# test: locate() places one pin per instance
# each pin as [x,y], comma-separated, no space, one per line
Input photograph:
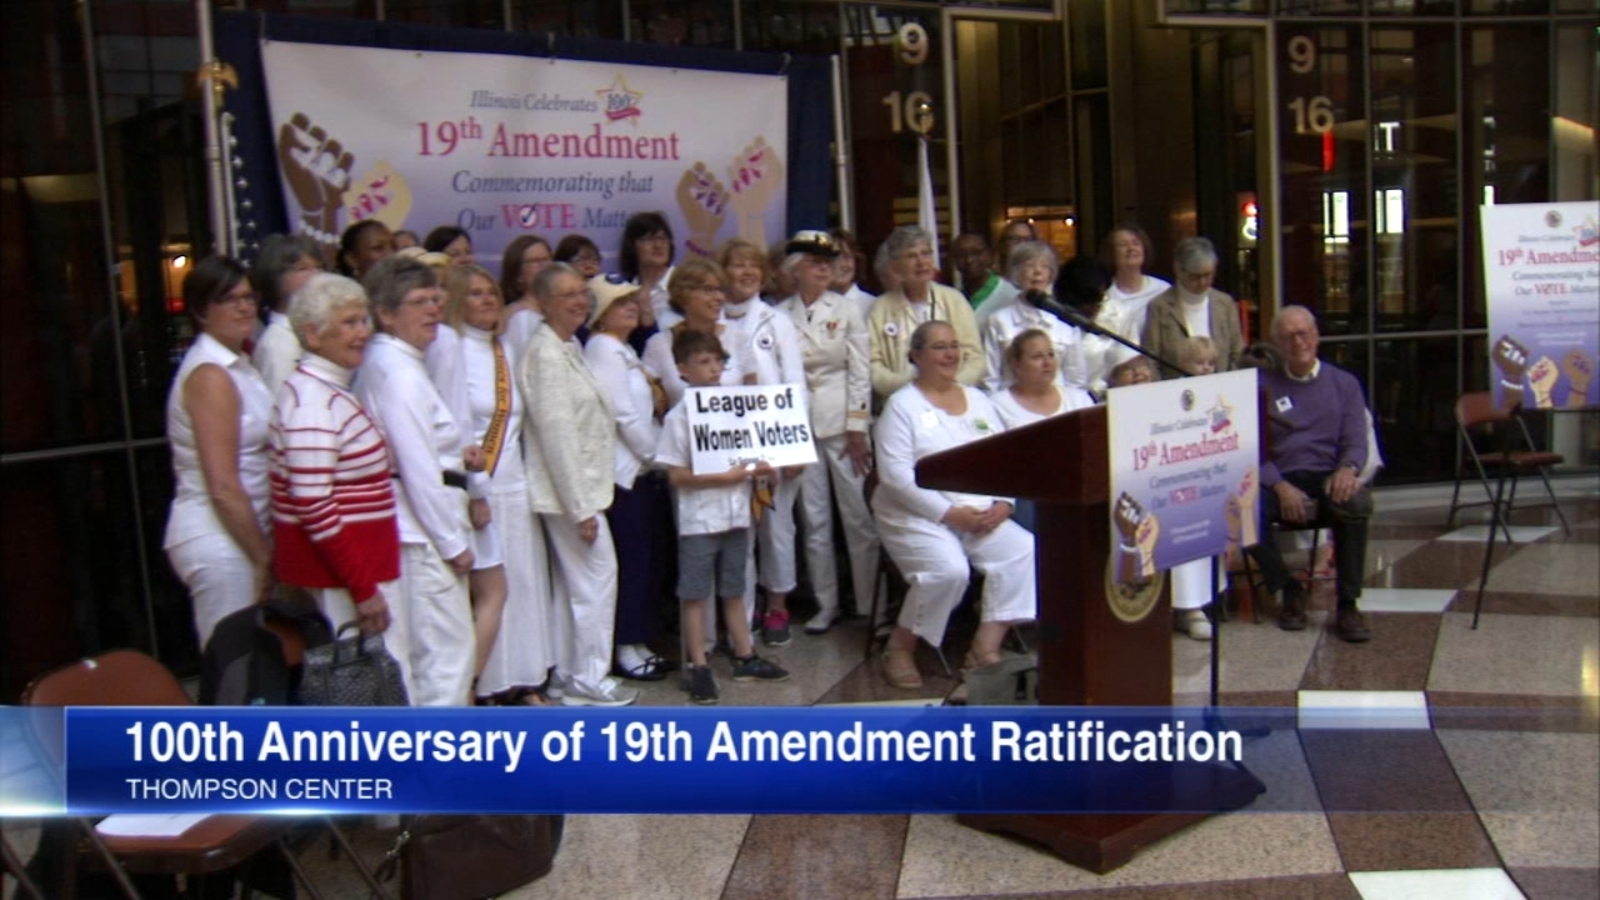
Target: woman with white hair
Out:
[570,434]
[510,579]
[1033,269]
[833,342]
[934,536]
[918,299]
[431,455]
[1193,308]
[333,501]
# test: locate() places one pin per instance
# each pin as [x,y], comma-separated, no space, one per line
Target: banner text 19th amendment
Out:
[1085,741]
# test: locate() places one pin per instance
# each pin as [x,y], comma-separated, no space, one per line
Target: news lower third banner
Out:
[90,761]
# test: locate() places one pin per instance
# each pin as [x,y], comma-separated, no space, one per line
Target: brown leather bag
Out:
[472,857]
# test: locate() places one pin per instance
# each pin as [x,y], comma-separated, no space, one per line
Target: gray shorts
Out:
[703,558]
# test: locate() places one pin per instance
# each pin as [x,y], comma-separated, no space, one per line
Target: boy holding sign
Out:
[713,527]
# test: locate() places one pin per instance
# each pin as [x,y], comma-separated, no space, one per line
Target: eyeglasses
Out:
[577,294]
[586,258]
[239,298]
[1198,276]
[657,239]
[432,299]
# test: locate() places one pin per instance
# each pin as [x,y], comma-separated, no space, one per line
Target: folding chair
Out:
[1476,412]
[129,678]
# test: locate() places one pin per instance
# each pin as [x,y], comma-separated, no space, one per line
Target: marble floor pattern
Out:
[1466,763]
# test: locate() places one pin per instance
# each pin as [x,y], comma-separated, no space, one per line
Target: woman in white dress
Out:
[1033,268]
[1036,393]
[1126,250]
[217,414]
[510,580]
[933,536]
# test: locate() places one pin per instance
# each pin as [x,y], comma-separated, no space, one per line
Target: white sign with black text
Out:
[729,426]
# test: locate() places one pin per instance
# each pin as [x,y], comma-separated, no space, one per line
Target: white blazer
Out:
[833,351]
[770,343]
[569,429]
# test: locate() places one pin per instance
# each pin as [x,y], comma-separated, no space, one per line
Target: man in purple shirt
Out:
[1319,447]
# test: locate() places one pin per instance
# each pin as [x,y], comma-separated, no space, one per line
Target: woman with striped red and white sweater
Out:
[333,501]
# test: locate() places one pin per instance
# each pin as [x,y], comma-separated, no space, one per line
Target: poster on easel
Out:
[1541,275]
[502,146]
[1185,483]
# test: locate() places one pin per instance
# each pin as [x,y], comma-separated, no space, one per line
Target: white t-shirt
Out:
[1015,415]
[701,510]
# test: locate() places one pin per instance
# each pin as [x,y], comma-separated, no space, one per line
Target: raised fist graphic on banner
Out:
[755,175]
[1543,375]
[1511,358]
[704,203]
[317,170]
[380,193]
[1137,531]
[1580,371]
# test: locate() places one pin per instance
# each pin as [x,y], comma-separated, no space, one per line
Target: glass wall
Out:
[1393,133]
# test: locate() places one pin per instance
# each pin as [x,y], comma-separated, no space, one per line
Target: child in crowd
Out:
[1198,356]
[713,528]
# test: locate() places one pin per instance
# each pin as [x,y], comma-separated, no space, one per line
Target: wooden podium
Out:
[1088,656]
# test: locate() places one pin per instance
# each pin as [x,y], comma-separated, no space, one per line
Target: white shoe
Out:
[822,621]
[1192,622]
[605,695]
[556,688]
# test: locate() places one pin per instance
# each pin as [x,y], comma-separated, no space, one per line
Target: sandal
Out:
[652,669]
[900,668]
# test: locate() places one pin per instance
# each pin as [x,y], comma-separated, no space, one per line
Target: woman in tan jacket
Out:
[569,435]
[1193,308]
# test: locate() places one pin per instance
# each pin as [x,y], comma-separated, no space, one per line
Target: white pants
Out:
[934,560]
[521,656]
[336,604]
[583,626]
[775,535]
[435,602]
[219,577]
[1189,583]
[829,478]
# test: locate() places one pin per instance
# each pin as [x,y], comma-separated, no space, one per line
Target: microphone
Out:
[1048,303]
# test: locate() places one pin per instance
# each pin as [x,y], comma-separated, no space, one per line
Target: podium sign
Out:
[1541,275]
[1184,478]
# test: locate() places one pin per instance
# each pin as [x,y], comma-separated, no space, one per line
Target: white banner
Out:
[1541,270]
[731,426]
[507,145]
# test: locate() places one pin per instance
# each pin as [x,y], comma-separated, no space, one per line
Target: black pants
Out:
[641,571]
[1349,538]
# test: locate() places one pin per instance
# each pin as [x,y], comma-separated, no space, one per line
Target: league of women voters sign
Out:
[1541,277]
[504,146]
[731,426]
[1184,471]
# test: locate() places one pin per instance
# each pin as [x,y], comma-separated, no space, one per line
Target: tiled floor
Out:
[1484,750]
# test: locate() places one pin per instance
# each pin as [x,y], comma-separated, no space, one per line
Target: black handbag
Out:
[352,671]
[472,857]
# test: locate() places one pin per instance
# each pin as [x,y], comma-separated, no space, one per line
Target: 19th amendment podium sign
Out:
[1091,651]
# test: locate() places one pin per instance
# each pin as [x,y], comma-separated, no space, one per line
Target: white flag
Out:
[927,214]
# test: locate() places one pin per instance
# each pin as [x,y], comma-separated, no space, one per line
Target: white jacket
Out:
[770,343]
[833,351]
[617,369]
[569,430]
